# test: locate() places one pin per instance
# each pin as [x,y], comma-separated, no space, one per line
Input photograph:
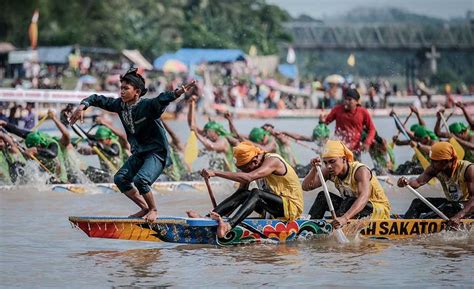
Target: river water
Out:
[38,247]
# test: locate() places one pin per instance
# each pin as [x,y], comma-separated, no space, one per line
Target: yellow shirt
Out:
[286,186]
[455,188]
[377,197]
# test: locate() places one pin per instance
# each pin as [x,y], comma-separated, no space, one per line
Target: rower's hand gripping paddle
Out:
[341,238]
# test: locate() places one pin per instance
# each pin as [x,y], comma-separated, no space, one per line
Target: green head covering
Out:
[216,127]
[457,127]
[420,132]
[104,133]
[321,131]
[414,127]
[38,138]
[432,135]
[257,134]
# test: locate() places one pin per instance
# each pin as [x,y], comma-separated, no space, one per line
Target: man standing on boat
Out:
[351,119]
[279,191]
[456,178]
[361,193]
[145,133]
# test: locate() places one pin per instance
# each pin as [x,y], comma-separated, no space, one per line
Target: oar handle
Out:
[305,145]
[424,200]
[211,194]
[405,122]
[400,126]
[443,119]
[40,122]
[326,192]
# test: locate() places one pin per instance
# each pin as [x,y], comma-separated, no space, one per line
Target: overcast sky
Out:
[319,8]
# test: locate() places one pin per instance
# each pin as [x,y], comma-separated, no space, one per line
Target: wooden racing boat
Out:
[203,230]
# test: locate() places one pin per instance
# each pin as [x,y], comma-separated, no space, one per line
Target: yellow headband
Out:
[335,148]
[244,152]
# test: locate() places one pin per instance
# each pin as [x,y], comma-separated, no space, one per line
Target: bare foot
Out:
[193,214]
[139,214]
[151,215]
[223,227]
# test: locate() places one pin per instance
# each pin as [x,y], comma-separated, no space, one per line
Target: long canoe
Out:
[158,186]
[203,230]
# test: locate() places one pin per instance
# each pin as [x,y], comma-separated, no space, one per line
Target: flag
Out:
[33,29]
[351,61]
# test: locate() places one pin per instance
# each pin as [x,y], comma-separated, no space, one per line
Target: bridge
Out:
[317,36]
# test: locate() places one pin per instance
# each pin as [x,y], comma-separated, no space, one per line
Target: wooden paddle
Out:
[392,144]
[191,149]
[456,145]
[306,146]
[419,196]
[211,194]
[419,155]
[341,238]
[40,122]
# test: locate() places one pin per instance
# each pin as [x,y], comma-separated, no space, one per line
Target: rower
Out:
[351,119]
[460,131]
[44,148]
[108,144]
[381,153]
[214,138]
[456,178]
[11,160]
[72,162]
[178,167]
[279,191]
[361,193]
[259,136]
[283,144]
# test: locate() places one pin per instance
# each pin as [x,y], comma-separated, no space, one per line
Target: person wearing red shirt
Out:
[351,119]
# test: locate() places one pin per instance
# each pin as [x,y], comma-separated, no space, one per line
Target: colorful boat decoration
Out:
[203,230]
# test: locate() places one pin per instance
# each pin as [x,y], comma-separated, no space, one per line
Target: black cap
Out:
[352,93]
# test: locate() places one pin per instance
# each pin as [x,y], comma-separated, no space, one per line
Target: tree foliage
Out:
[148,25]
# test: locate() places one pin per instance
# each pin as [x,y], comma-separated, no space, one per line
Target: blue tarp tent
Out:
[193,56]
[288,70]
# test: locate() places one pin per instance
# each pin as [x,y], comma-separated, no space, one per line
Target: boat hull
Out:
[203,231]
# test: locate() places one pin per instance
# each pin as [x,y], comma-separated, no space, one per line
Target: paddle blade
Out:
[340,236]
[424,163]
[191,149]
[457,147]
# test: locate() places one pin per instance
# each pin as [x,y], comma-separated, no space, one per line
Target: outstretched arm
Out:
[419,181]
[296,136]
[232,127]
[8,140]
[437,128]
[269,166]
[469,118]
[418,116]
[65,136]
